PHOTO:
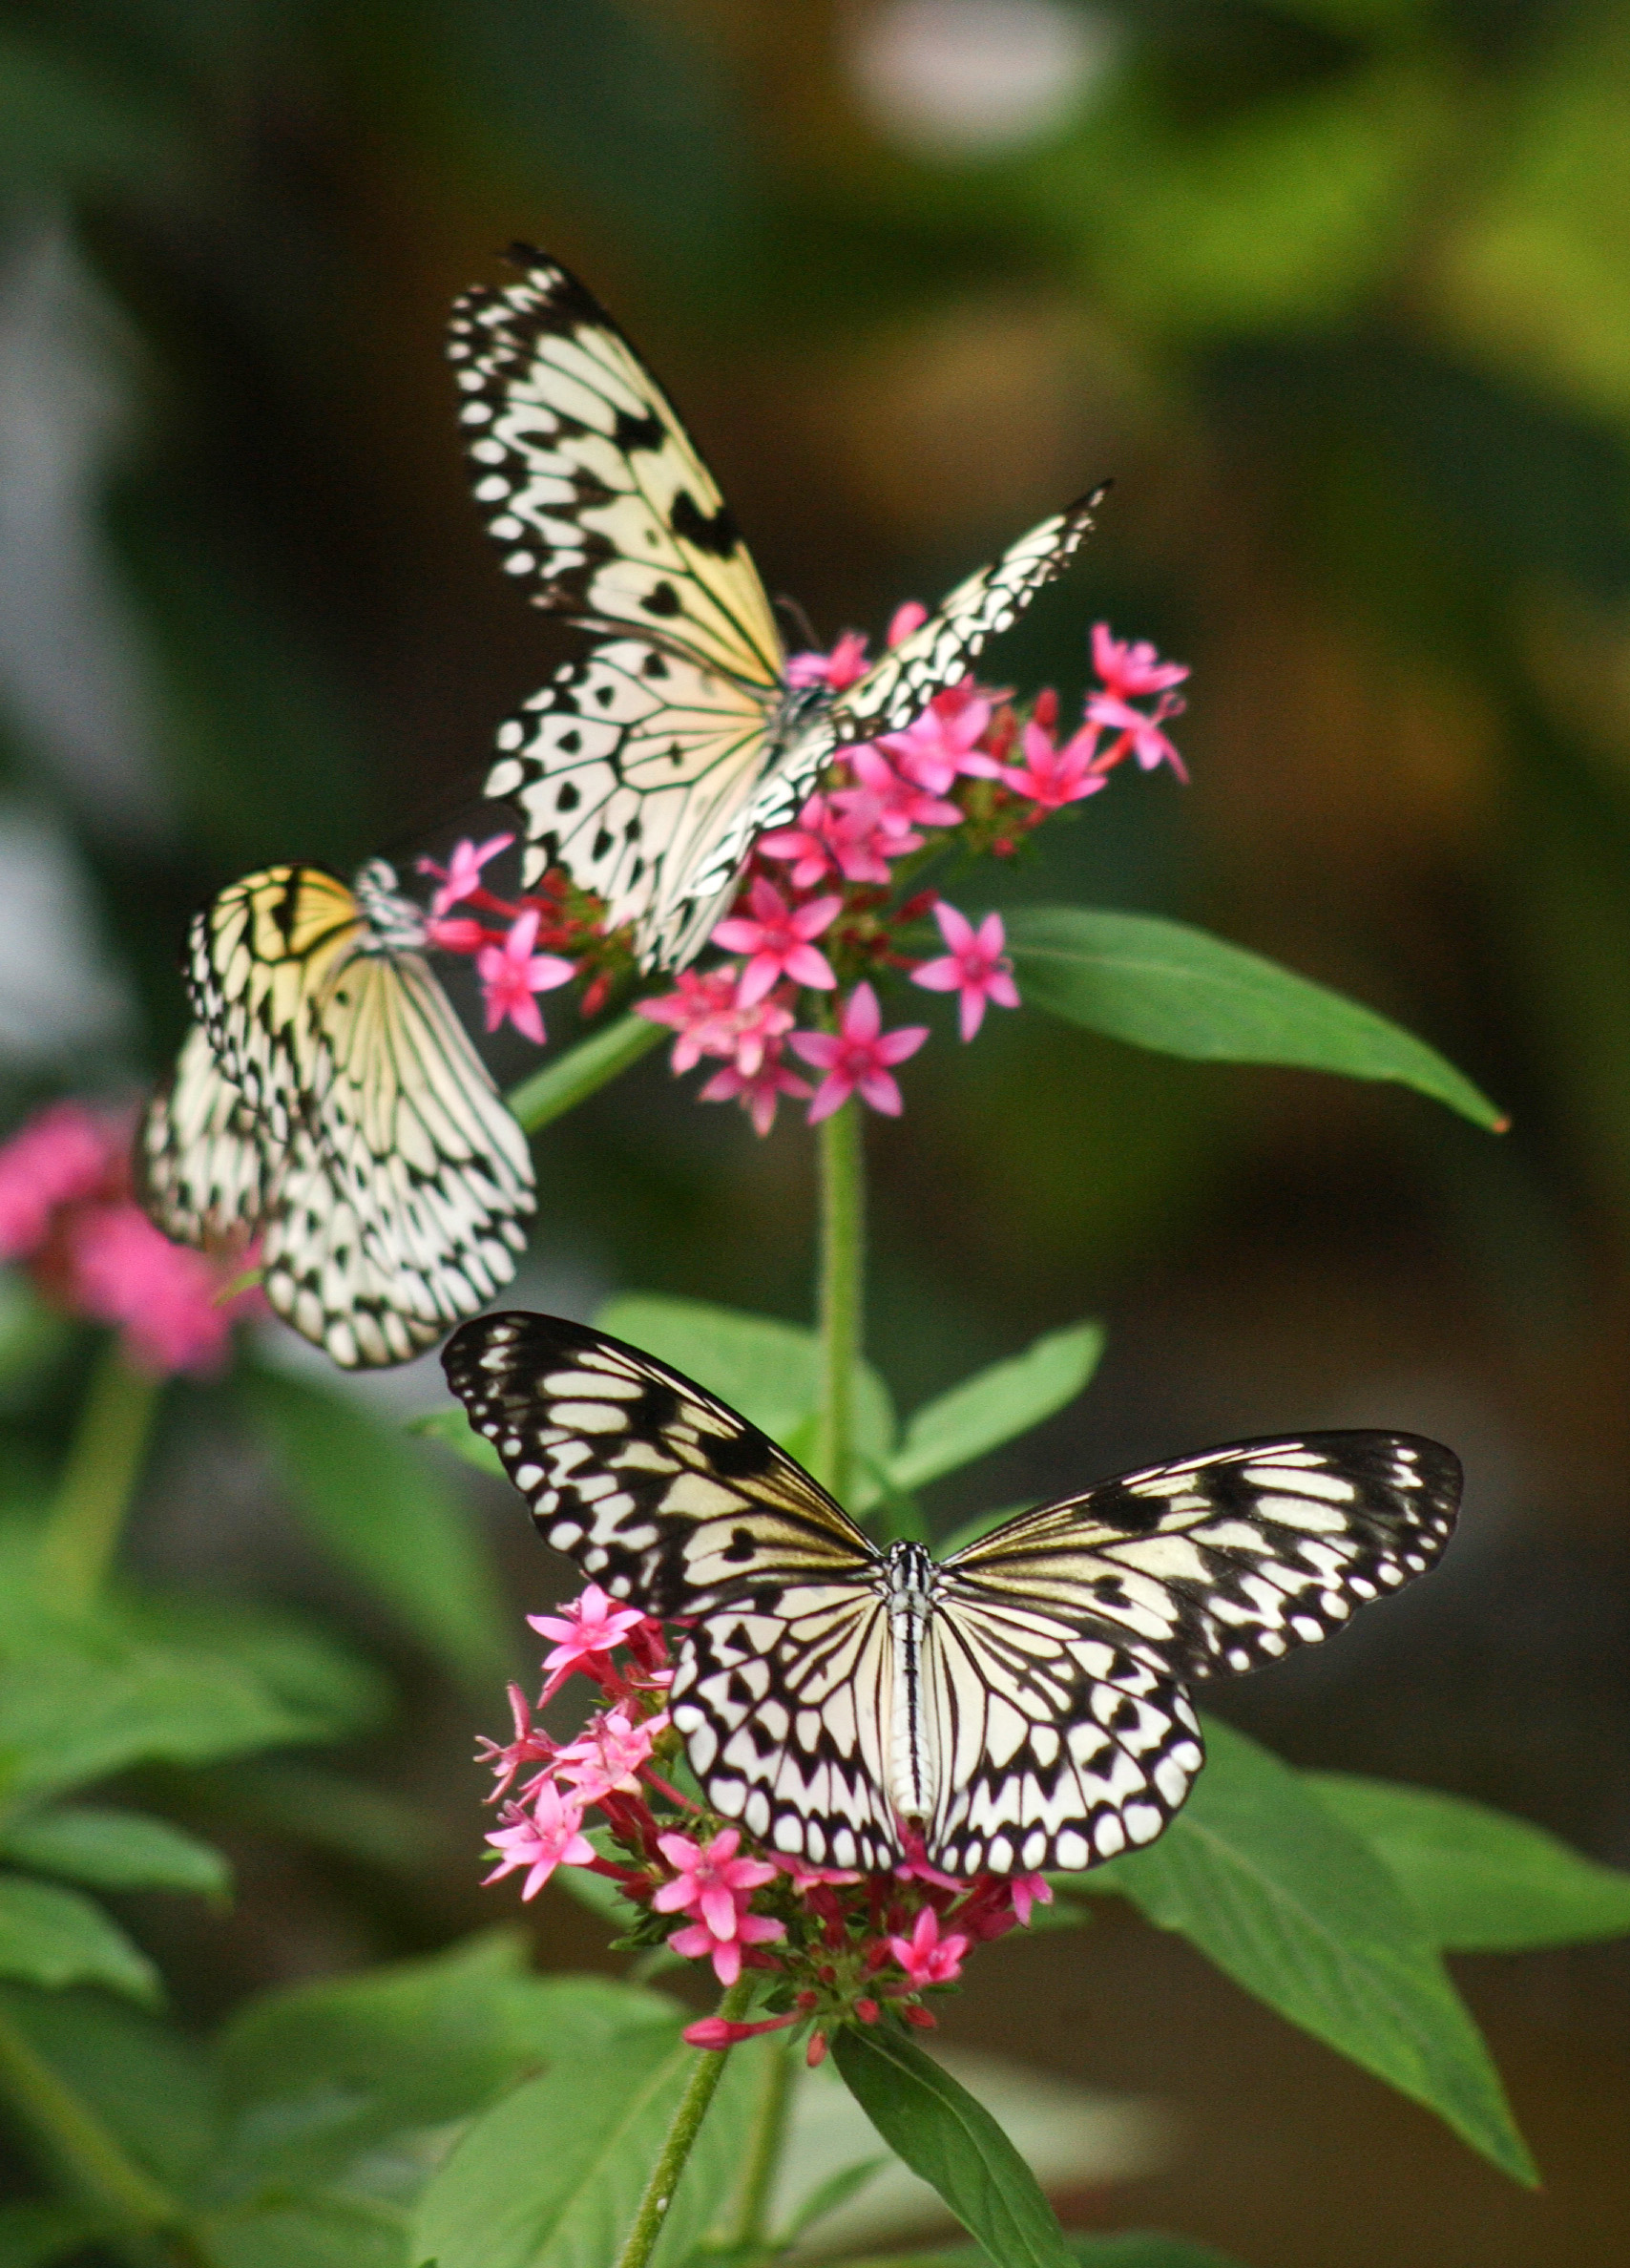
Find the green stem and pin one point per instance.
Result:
(704, 2078)
(81, 2145)
(560, 1087)
(765, 2147)
(842, 1296)
(82, 1528)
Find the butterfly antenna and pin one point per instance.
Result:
(800, 621)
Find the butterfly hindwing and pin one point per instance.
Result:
(200, 1165)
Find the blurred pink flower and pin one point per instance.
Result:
(1027, 1891)
(840, 667)
(1129, 670)
(64, 1154)
(858, 1056)
(910, 616)
(548, 1836)
(977, 967)
(777, 942)
(942, 742)
(606, 1757)
(900, 804)
(1138, 733)
(461, 876)
(826, 840)
(760, 1090)
(164, 1297)
(1053, 776)
(512, 973)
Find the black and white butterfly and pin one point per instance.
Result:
(328, 1100)
(1019, 1706)
(647, 767)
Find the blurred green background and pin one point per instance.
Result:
(1339, 293)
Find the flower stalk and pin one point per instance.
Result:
(841, 1291)
(693, 2107)
(82, 1529)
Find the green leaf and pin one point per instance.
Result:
(951, 2140)
(56, 1938)
(769, 1371)
(332, 1810)
(1481, 1881)
(452, 1429)
(1258, 1873)
(318, 2073)
(1163, 985)
(995, 1404)
(34, 2234)
(308, 2229)
(115, 1850)
(374, 1500)
(1127, 2248)
(149, 2085)
(551, 2176)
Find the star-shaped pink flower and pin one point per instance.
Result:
(587, 1629)
(548, 1836)
(1129, 669)
(1140, 733)
(977, 967)
(858, 1056)
(512, 973)
(775, 938)
(461, 876)
(925, 1957)
(759, 1091)
(1052, 776)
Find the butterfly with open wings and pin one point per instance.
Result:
(648, 766)
(1017, 1707)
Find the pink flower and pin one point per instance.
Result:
(977, 969)
(512, 973)
(900, 803)
(778, 942)
(826, 840)
(457, 933)
(165, 1297)
(531, 1745)
(587, 1629)
(702, 1011)
(1138, 733)
(718, 2031)
(64, 1154)
(1027, 1891)
(607, 1756)
(1052, 776)
(925, 1957)
(713, 1886)
(461, 876)
(858, 1056)
(942, 742)
(759, 1091)
(1129, 670)
(805, 1876)
(547, 1837)
(906, 619)
(840, 667)
(710, 1883)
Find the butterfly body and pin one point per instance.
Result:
(647, 767)
(1016, 1707)
(329, 1098)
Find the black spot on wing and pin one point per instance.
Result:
(709, 532)
(633, 433)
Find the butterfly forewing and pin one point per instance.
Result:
(1226, 1560)
(591, 485)
(939, 653)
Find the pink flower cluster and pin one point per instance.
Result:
(847, 1947)
(825, 904)
(67, 1210)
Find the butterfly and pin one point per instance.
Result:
(647, 767)
(328, 1097)
(1017, 1707)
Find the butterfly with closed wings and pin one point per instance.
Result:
(328, 1097)
(1016, 1708)
(648, 766)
